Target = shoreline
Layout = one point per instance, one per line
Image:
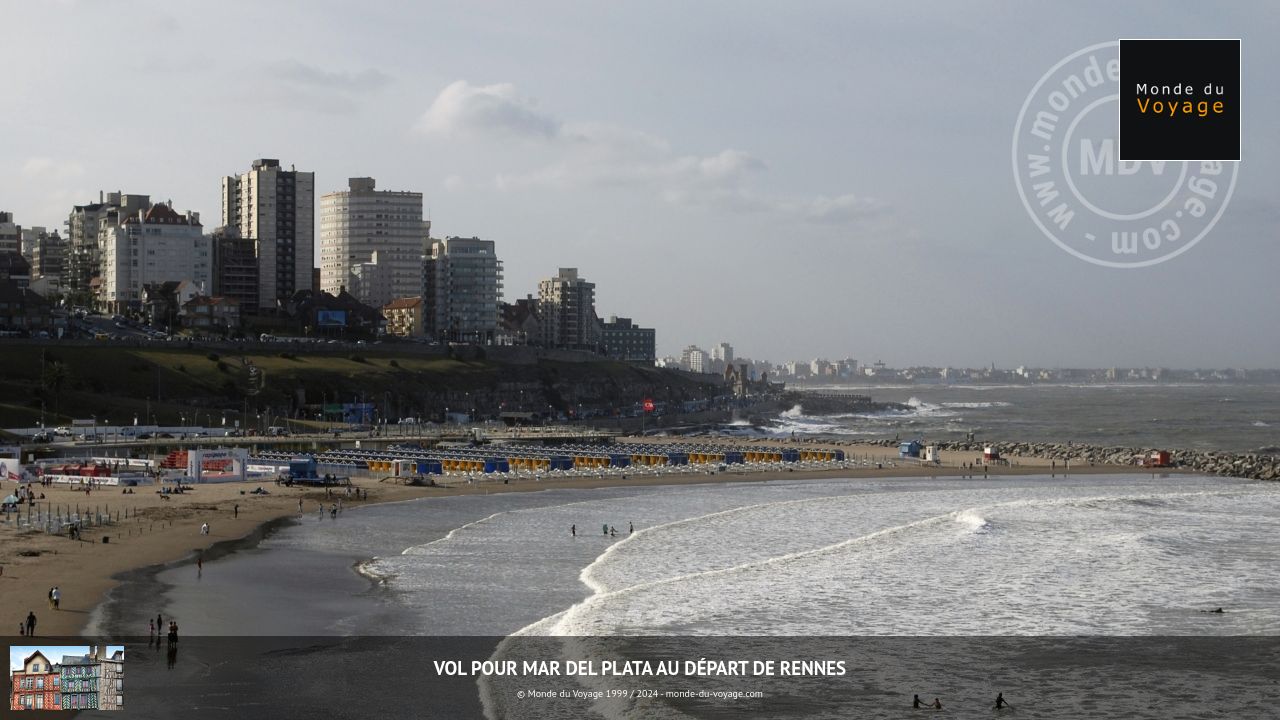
(88, 572)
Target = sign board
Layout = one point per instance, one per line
(83, 422)
(648, 405)
(10, 464)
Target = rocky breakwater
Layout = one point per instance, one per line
(834, 403)
(1256, 466)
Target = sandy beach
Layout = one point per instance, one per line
(156, 531)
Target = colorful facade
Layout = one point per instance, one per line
(81, 675)
(37, 685)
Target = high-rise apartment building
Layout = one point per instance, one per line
(567, 304)
(275, 208)
(152, 247)
(371, 242)
(85, 226)
(462, 288)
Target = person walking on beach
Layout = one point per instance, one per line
(299, 506)
(56, 594)
(613, 532)
(200, 565)
(204, 529)
(31, 624)
(50, 598)
(236, 511)
(573, 530)
(631, 527)
(151, 629)
(605, 528)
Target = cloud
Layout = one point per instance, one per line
(463, 108)
(589, 155)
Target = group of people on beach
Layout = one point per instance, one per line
(918, 704)
(55, 598)
(157, 627)
(607, 529)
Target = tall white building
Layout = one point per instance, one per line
(722, 352)
(276, 209)
(462, 281)
(567, 304)
(362, 226)
(154, 246)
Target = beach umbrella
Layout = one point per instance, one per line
(11, 500)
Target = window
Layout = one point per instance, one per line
(40, 702)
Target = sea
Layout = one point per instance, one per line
(1120, 558)
(1226, 417)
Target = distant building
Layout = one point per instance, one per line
(46, 251)
(621, 339)
(276, 209)
(21, 308)
(153, 246)
(362, 226)
(405, 317)
(10, 233)
(722, 352)
(85, 227)
(37, 685)
(462, 282)
(519, 323)
(215, 314)
(15, 268)
(695, 359)
(235, 269)
(567, 305)
(340, 315)
(162, 302)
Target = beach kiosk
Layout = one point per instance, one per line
(931, 454)
(1159, 458)
(990, 454)
(909, 449)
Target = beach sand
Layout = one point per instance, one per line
(158, 531)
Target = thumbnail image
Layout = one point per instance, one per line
(66, 677)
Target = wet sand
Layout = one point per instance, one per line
(155, 532)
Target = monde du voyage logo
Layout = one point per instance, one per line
(1129, 169)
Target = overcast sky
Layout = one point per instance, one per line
(799, 179)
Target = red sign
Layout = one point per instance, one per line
(648, 405)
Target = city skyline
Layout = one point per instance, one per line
(807, 168)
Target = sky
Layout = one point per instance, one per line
(819, 179)
(18, 653)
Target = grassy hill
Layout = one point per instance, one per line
(116, 383)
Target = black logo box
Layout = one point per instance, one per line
(1180, 65)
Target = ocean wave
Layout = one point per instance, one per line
(974, 521)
